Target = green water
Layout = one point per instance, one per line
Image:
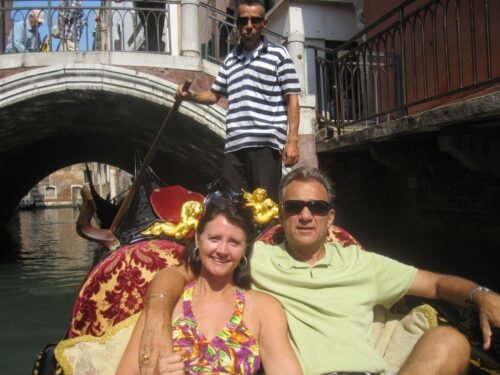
(41, 268)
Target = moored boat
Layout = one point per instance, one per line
(27, 203)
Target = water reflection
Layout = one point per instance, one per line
(38, 283)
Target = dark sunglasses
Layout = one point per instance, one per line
(317, 207)
(243, 21)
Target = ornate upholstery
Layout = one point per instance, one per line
(115, 288)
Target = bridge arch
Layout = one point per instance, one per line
(59, 115)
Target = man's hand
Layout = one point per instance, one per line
(172, 364)
(290, 155)
(200, 97)
(488, 304)
(180, 94)
(155, 339)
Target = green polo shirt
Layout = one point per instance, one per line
(330, 305)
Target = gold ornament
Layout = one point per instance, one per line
(263, 209)
(190, 214)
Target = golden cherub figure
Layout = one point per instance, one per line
(190, 214)
(263, 209)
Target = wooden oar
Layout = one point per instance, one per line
(147, 161)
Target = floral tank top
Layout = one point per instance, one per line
(234, 350)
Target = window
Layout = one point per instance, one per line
(50, 192)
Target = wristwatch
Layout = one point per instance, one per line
(475, 290)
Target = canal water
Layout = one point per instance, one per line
(43, 261)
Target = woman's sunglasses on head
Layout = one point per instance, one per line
(317, 207)
(243, 21)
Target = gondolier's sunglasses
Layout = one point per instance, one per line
(243, 21)
(317, 207)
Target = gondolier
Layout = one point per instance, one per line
(260, 81)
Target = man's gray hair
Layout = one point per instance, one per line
(307, 174)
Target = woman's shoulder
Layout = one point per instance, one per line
(261, 301)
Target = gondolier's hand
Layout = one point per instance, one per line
(290, 155)
(156, 337)
(488, 304)
(181, 94)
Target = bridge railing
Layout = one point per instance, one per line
(119, 26)
(421, 54)
(110, 26)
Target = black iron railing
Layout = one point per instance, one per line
(420, 52)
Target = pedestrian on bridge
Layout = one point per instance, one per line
(71, 23)
(24, 36)
(262, 87)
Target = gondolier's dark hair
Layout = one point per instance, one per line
(238, 215)
(251, 2)
(307, 174)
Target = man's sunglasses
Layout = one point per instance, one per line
(243, 21)
(317, 207)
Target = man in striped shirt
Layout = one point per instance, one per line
(262, 87)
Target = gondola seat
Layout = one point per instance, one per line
(114, 289)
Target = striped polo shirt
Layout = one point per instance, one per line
(256, 88)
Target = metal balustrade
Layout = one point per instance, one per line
(111, 26)
(420, 55)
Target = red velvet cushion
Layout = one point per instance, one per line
(115, 288)
(167, 201)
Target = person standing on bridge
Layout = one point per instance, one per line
(262, 86)
(70, 23)
(24, 36)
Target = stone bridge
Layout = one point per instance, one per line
(57, 109)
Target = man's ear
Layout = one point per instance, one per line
(265, 25)
(331, 216)
(280, 213)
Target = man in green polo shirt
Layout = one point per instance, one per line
(329, 293)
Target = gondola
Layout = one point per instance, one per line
(151, 234)
(114, 289)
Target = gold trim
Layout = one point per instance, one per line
(66, 344)
(430, 314)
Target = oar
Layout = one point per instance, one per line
(147, 161)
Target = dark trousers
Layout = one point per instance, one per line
(153, 23)
(252, 168)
